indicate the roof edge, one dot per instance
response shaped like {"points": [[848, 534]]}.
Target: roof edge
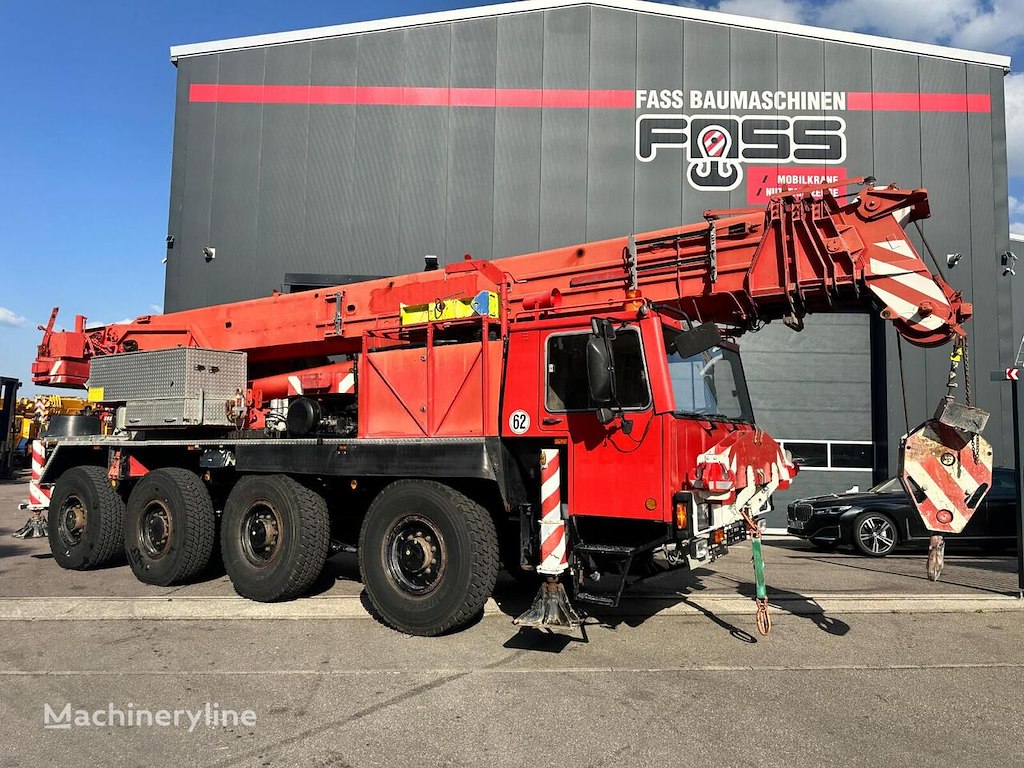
{"points": [[640, 6]]}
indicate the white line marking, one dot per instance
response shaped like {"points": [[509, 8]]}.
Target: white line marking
{"points": [[443, 671], [332, 608]]}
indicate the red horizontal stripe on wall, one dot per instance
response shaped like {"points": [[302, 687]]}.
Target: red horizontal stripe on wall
{"points": [[919, 102], [550, 98], [406, 96]]}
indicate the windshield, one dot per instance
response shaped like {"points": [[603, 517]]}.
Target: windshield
{"points": [[887, 486], [709, 383]]}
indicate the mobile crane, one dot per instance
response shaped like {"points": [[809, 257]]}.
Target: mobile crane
{"points": [[565, 411]]}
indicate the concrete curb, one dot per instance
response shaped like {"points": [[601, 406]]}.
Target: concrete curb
{"points": [[330, 608]]}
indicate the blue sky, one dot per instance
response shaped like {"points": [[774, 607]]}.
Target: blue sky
{"points": [[87, 107]]}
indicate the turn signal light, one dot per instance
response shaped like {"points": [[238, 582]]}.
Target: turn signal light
{"points": [[681, 518], [718, 536], [634, 300]]}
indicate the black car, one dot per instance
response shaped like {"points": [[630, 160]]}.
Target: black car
{"points": [[875, 521]]}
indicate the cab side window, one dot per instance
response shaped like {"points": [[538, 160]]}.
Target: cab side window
{"points": [[567, 387]]}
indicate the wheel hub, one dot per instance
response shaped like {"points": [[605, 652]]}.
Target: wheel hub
{"points": [[155, 529], [877, 535], [72, 521], [415, 555], [261, 533]]}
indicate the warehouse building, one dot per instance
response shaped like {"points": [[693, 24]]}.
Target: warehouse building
{"points": [[312, 157]]}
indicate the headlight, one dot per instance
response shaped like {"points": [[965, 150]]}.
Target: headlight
{"points": [[834, 510]]}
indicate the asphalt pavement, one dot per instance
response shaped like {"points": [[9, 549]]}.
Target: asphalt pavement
{"points": [[868, 663]]}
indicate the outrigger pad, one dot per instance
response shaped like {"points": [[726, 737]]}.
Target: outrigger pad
{"points": [[551, 609], [946, 473], [35, 528]]}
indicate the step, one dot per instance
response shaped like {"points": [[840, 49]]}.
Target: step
{"points": [[618, 550], [587, 597]]}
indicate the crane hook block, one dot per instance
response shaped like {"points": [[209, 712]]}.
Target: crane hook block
{"points": [[946, 473]]}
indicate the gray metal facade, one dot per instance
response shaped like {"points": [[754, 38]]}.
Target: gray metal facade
{"points": [[370, 189]]}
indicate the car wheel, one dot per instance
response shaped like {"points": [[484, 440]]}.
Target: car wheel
{"points": [[874, 534]]}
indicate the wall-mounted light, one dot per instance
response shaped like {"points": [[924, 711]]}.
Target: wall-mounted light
{"points": [[209, 253], [1007, 261], [952, 259]]}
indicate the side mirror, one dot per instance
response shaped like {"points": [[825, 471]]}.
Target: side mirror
{"points": [[605, 415], [599, 370]]}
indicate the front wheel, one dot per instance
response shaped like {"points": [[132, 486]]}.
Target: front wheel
{"points": [[428, 556], [874, 534]]}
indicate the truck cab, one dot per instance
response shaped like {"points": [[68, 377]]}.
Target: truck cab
{"points": [[656, 434]]}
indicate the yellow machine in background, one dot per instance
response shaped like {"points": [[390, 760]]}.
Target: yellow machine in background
{"points": [[31, 415]]}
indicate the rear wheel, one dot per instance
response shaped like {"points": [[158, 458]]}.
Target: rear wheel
{"points": [[169, 527], [428, 556], [85, 519], [274, 537], [874, 534]]}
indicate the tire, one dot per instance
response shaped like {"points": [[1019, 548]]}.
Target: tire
{"points": [[169, 527], [412, 594], [274, 537], [874, 534], [84, 519]]}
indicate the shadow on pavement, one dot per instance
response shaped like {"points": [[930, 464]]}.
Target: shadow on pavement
{"points": [[672, 588], [915, 569]]}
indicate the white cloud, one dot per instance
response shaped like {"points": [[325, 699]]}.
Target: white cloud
{"points": [[778, 10], [1017, 227], [1014, 85], [974, 24], [984, 25], [9, 318]]}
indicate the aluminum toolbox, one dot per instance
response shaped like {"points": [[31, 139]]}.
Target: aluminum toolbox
{"points": [[184, 386]]}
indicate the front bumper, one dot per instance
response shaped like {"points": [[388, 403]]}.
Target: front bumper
{"points": [[822, 534], [804, 522]]}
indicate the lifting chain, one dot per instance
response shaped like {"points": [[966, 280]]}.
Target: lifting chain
{"points": [[960, 353], [764, 619]]}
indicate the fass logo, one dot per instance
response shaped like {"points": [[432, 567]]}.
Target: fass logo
{"points": [[717, 146]]}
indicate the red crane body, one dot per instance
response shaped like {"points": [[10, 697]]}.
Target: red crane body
{"points": [[804, 254], [505, 351]]}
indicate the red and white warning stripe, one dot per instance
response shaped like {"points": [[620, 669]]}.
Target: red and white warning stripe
{"points": [[898, 278], [321, 382], [42, 409], [38, 494], [57, 373], [553, 559]]}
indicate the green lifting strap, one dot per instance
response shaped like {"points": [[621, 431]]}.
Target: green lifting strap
{"points": [[762, 592]]}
